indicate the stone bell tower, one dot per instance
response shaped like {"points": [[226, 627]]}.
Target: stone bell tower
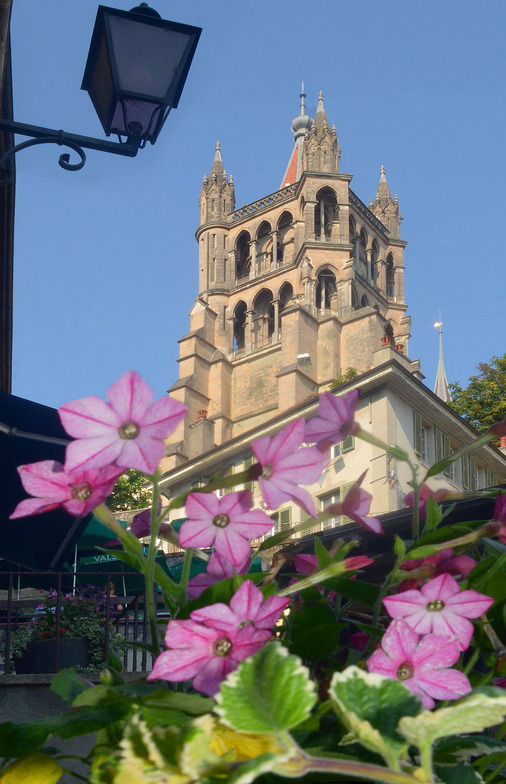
{"points": [[294, 289]]}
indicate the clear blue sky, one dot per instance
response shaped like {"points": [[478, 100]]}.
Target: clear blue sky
{"points": [[106, 259]]}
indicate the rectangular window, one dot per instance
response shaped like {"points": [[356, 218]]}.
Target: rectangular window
{"points": [[490, 478], [325, 501], [335, 451]]}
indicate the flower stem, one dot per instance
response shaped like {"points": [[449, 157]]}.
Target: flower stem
{"points": [[186, 573], [150, 567], [306, 764]]}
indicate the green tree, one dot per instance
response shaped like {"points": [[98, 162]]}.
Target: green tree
{"points": [[483, 401], [130, 492]]}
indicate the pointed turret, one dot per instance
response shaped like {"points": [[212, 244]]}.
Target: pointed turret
{"points": [[217, 197], [300, 126], [321, 147], [441, 388], [217, 169], [387, 209]]}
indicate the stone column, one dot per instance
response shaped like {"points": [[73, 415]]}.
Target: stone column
{"points": [[274, 261], [368, 255], [310, 227], [253, 254], [249, 330], [275, 336]]}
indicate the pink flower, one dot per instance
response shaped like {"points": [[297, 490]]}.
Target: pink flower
{"points": [[433, 565], [305, 563], [356, 505], [227, 523], [440, 607], [217, 638], [247, 607], [77, 491], [359, 640], [335, 420], [218, 568], [285, 466], [129, 430], [500, 514], [421, 665], [424, 495]]}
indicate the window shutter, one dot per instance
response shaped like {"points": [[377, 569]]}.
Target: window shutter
{"points": [[344, 490], [249, 485], [285, 517], [348, 444], [417, 433], [472, 473], [304, 517], [490, 478], [465, 472], [438, 444], [446, 453]]}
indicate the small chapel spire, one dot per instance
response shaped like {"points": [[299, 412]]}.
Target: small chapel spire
{"points": [[441, 388], [385, 208]]}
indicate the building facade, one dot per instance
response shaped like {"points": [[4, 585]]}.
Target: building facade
{"points": [[295, 289]]}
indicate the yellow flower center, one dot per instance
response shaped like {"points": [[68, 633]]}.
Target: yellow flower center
{"points": [[129, 430], [221, 520], [222, 647], [435, 606], [405, 671], [82, 491], [267, 471]]}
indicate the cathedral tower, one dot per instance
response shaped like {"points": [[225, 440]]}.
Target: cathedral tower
{"points": [[294, 289]]}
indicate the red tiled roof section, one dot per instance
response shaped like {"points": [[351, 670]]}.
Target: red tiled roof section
{"points": [[291, 172]]}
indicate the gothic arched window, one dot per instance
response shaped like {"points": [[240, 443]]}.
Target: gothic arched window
{"points": [[243, 255], [374, 260], [325, 288], [264, 246], [390, 276], [362, 256], [239, 325], [325, 213], [285, 238], [263, 317]]}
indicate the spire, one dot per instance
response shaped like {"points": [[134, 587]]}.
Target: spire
{"points": [[441, 388], [387, 209], [383, 194], [321, 124], [217, 167], [300, 126]]}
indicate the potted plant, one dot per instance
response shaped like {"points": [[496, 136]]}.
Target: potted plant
{"points": [[80, 625]]}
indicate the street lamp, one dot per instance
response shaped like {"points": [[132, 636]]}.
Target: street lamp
{"points": [[136, 69]]}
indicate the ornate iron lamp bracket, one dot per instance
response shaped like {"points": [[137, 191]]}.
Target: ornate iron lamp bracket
{"points": [[73, 141]]}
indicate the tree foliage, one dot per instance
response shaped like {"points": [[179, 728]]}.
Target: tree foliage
{"points": [[483, 401], [129, 492], [350, 374]]}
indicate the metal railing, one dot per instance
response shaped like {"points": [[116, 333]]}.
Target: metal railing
{"points": [[124, 613]]}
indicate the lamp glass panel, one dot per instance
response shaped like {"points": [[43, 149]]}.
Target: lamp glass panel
{"points": [[130, 110], [147, 57]]}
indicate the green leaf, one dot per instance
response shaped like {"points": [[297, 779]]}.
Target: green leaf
{"points": [[68, 685], [249, 771], [399, 547], [365, 593], [439, 466], [434, 514], [459, 748], [315, 621], [22, 738], [458, 774], [482, 709], [322, 554], [269, 692], [371, 706]]}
